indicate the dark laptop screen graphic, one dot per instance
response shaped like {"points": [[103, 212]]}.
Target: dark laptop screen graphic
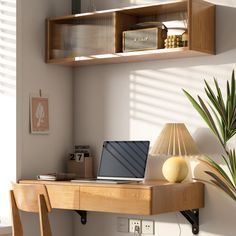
{"points": [[123, 160]]}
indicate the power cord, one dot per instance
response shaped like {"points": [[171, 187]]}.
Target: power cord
{"points": [[137, 230], [180, 230]]}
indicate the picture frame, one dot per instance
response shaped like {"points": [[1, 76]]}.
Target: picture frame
{"points": [[39, 115]]}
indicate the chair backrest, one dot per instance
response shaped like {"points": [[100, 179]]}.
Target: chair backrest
{"points": [[30, 198]]}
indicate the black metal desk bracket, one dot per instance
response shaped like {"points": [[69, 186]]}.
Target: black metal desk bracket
{"points": [[83, 215], [192, 217]]}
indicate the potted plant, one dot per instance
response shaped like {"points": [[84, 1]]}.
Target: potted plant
{"points": [[220, 116]]}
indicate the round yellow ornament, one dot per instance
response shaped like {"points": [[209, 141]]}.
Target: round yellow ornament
{"points": [[175, 169]]}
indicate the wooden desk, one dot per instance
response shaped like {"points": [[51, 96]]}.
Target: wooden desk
{"points": [[149, 198]]}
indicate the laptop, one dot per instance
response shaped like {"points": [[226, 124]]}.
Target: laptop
{"points": [[121, 162]]}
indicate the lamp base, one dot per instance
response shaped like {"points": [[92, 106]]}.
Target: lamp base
{"points": [[175, 169]]}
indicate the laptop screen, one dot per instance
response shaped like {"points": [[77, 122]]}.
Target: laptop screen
{"points": [[123, 160]]}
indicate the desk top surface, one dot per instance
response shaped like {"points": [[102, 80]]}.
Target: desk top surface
{"points": [[148, 184]]}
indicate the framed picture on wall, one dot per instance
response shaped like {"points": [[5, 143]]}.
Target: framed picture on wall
{"points": [[39, 115]]}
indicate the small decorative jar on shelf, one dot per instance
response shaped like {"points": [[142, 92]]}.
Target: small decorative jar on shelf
{"points": [[185, 38], [173, 41]]}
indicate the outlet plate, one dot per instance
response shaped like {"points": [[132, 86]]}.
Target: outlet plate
{"points": [[148, 227], [134, 225], [122, 225]]}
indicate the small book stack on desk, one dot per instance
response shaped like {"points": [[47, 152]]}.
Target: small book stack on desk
{"points": [[57, 176]]}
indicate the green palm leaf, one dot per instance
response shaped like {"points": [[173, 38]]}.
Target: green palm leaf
{"points": [[232, 164], [197, 107], [233, 93], [220, 98], [220, 171], [210, 94], [211, 121], [221, 119], [218, 121], [217, 181], [204, 112]]}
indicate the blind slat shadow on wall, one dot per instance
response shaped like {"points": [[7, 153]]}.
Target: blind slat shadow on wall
{"points": [[7, 104]]}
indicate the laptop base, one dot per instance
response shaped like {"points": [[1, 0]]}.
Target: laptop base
{"points": [[101, 181]]}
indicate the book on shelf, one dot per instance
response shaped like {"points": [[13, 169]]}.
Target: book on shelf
{"points": [[57, 176]]}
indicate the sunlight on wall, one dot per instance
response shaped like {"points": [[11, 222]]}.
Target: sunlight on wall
{"points": [[156, 97], [7, 102]]}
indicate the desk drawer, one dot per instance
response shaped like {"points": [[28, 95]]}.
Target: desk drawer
{"points": [[116, 200], [64, 197]]}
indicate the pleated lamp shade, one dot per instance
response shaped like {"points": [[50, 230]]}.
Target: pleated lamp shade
{"points": [[175, 140]]}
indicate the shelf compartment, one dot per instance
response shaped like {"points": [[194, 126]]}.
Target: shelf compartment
{"points": [[80, 36]]}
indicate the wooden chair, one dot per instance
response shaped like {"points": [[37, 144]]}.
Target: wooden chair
{"points": [[30, 198]]}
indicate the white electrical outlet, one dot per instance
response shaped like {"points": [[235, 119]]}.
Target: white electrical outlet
{"points": [[134, 226], [148, 227]]}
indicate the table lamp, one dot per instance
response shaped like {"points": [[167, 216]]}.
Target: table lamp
{"points": [[175, 141]]}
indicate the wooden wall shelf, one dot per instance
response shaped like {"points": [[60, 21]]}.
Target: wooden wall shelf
{"points": [[116, 58], [96, 38]]}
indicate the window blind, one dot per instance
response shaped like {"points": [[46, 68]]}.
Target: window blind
{"points": [[7, 103]]}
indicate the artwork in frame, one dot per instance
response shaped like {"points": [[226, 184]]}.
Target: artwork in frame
{"points": [[39, 115]]}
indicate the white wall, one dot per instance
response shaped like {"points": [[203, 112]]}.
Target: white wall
{"points": [[42, 153], [135, 100]]}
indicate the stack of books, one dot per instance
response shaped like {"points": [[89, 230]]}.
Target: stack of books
{"points": [[57, 176]]}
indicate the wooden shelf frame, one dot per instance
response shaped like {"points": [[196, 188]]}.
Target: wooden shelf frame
{"points": [[139, 56], [201, 29]]}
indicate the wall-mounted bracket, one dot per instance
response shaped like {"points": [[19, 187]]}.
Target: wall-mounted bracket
{"points": [[83, 215], [192, 217]]}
